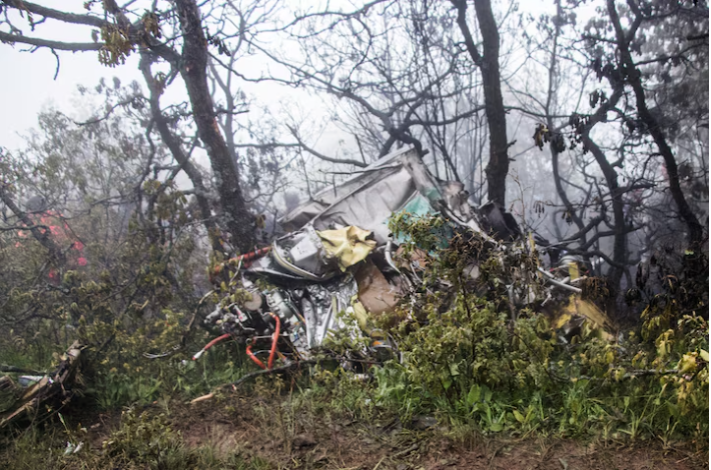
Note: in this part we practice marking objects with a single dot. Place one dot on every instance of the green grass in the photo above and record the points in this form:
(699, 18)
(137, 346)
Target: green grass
(143, 441)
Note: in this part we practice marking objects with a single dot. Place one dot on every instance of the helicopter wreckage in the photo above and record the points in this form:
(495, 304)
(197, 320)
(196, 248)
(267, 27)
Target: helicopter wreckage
(340, 257)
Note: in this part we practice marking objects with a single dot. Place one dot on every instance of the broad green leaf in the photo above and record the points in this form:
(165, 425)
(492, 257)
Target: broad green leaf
(473, 395)
(454, 369)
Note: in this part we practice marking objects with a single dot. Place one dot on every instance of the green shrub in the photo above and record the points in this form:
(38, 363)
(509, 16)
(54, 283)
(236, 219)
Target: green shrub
(474, 366)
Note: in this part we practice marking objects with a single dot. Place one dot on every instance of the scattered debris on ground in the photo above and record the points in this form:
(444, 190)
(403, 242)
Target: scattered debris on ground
(34, 390)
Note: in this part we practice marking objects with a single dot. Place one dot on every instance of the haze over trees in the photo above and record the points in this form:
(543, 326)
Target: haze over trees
(589, 123)
(615, 92)
(586, 120)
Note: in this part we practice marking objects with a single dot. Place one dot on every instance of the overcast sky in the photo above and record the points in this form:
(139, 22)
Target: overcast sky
(28, 84)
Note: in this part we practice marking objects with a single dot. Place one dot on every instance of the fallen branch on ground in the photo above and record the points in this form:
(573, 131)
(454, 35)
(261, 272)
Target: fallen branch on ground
(275, 370)
(55, 384)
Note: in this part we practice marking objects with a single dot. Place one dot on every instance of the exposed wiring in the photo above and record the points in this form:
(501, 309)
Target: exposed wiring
(253, 357)
(215, 341)
(272, 351)
(275, 340)
(197, 355)
(249, 257)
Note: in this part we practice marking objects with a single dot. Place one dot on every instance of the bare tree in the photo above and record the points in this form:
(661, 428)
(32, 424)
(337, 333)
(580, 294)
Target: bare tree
(121, 37)
(488, 63)
(176, 148)
(411, 97)
(632, 76)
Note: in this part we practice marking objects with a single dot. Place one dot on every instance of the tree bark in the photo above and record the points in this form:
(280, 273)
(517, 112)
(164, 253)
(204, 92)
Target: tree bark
(192, 64)
(619, 245)
(552, 146)
(633, 77)
(176, 149)
(193, 69)
(498, 166)
(41, 234)
(619, 250)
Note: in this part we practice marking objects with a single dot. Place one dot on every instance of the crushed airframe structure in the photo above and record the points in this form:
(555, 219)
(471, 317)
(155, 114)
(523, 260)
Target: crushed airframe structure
(339, 256)
(33, 390)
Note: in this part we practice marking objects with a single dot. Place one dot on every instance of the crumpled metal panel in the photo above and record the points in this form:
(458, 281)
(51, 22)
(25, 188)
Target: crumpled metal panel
(368, 199)
(322, 306)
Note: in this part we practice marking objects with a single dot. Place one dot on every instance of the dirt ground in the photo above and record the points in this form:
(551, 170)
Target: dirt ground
(257, 428)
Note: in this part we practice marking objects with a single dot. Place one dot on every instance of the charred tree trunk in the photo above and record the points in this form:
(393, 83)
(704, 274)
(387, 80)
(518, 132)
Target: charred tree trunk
(633, 77)
(488, 63)
(193, 69)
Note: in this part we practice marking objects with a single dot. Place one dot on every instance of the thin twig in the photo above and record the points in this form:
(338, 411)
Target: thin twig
(276, 370)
